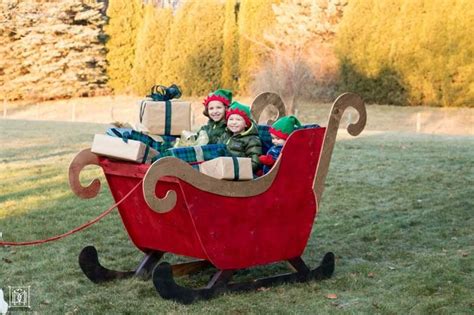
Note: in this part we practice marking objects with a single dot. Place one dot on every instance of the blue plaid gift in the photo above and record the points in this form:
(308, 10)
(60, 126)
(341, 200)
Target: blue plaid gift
(196, 154)
(130, 134)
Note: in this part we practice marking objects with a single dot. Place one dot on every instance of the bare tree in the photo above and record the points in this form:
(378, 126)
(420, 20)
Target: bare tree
(298, 46)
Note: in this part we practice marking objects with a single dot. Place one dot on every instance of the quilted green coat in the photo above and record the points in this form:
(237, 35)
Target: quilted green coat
(245, 144)
(214, 130)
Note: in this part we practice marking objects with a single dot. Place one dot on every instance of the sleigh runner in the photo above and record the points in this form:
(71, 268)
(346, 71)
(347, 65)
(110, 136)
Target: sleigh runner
(229, 225)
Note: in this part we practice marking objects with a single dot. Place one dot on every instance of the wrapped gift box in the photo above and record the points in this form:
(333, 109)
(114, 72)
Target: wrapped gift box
(115, 147)
(164, 119)
(225, 168)
(198, 153)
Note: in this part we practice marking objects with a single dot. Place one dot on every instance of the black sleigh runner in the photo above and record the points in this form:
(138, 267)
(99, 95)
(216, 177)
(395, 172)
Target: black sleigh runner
(170, 207)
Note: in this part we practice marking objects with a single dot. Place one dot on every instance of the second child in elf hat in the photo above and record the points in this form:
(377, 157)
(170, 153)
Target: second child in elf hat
(216, 104)
(280, 131)
(242, 138)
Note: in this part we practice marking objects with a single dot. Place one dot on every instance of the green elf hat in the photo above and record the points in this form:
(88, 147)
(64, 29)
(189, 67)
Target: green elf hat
(221, 95)
(242, 110)
(283, 127)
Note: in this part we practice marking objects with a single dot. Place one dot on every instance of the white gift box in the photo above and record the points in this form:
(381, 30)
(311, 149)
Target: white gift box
(115, 147)
(152, 117)
(223, 168)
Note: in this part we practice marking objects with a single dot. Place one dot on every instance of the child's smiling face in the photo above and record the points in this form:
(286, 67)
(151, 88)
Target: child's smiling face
(216, 110)
(277, 141)
(236, 123)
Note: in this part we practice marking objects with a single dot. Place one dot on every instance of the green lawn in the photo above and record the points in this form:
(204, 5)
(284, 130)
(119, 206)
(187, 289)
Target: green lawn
(397, 212)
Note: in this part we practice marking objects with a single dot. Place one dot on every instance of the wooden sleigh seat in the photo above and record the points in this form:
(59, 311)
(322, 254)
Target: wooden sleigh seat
(229, 225)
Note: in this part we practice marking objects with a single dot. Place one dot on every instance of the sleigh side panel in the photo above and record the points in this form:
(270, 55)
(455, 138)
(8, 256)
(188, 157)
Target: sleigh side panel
(148, 230)
(240, 232)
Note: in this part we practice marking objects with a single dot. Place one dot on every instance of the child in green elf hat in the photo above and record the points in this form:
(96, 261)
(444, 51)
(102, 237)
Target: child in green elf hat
(242, 139)
(280, 131)
(216, 104)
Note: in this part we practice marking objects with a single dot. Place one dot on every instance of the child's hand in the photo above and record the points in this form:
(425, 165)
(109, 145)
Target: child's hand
(266, 160)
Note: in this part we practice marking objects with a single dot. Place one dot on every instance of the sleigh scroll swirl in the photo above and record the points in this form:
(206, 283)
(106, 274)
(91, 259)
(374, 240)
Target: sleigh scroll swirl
(170, 166)
(265, 99)
(81, 160)
(340, 105)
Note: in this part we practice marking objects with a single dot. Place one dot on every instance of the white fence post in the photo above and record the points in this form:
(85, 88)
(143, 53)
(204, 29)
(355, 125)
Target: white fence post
(418, 122)
(73, 114)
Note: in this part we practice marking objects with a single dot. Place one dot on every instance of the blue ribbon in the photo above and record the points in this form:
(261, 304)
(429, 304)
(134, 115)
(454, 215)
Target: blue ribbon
(125, 136)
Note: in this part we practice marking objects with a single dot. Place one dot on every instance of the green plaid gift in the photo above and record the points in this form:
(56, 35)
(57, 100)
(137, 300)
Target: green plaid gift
(265, 137)
(196, 154)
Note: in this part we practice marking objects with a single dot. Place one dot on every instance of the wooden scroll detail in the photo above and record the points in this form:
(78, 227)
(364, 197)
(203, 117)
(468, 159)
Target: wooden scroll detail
(81, 160)
(340, 105)
(263, 100)
(176, 168)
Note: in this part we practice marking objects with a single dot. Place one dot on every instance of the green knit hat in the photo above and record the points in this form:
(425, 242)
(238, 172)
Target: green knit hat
(283, 127)
(242, 110)
(221, 95)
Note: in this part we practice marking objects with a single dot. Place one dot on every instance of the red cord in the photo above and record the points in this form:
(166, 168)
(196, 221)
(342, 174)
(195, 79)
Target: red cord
(79, 228)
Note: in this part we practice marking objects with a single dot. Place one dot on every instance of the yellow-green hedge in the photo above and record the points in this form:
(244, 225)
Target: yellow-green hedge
(193, 52)
(230, 53)
(125, 18)
(255, 17)
(408, 52)
(148, 66)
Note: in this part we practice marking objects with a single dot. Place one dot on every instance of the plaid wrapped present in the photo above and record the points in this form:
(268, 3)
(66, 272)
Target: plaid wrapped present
(266, 138)
(130, 134)
(196, 154)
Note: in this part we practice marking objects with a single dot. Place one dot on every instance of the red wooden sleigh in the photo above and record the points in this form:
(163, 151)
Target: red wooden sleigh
(225, 224)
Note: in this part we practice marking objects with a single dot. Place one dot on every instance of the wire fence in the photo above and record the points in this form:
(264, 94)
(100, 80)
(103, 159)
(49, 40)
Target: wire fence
(428, 120)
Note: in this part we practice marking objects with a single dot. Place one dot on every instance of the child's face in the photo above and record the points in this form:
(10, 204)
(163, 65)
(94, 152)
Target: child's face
(277, 141)
(236, 123)
(216, 110)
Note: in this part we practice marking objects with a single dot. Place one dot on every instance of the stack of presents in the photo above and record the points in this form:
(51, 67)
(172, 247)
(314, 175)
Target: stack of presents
(162, 130)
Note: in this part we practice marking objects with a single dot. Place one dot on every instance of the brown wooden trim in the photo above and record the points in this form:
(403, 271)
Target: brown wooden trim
(265, 99)
(190, 267)
(340, 105)
(81, 160)
(170, 166)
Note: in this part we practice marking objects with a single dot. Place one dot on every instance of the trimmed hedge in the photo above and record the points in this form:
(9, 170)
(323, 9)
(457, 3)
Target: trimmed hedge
(230, 54)
(408, 52)
(193, 55)
(148, 66)
(125, 18)
(254, 18)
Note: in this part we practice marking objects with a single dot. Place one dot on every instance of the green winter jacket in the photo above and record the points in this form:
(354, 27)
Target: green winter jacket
(214, 130)
(245, 144)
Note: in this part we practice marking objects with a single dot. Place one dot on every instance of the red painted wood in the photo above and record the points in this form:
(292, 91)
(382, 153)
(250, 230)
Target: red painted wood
(232, 233)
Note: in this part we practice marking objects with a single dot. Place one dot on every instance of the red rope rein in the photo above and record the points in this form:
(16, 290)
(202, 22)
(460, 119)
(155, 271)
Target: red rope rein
(77, 229)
